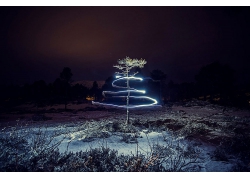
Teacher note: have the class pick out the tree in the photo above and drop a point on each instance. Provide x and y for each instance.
(122, 81)
(215, 78)
(138, 72)
(39, 89)
(66, 74)
(65, 77)
(94, 89)
(125, 65)
(158, 75)
(108, 83)
(79, 92)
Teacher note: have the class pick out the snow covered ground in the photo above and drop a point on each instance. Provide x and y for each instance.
(195, 125)
(146, 141)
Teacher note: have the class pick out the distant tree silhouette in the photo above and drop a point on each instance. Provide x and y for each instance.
(66, 74)
(39, 92)
(57, 90)
(107, 86)
(26, 92)
(187, 91)
(10, 96)
(215, 79)
(172, 91)
(65, 77)
(79, 92)
(94, 90)
(158, 75)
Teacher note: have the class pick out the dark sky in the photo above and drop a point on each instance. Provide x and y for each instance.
(37, 42)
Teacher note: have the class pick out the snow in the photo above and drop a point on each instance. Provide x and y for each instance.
(76, 142)
(91, 129)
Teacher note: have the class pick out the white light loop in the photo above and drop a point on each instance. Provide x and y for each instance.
(154, 101)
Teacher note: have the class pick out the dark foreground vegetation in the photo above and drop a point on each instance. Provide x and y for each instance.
(34, 147)
(24, 149)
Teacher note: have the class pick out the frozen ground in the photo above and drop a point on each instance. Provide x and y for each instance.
(195, 124)
(145, 142)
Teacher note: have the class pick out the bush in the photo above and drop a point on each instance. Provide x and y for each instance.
(36, 149)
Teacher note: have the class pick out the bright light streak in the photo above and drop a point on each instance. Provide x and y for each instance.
(154, 101)
(132, 77)
(118, 92)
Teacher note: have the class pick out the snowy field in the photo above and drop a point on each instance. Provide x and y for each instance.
(191, 136)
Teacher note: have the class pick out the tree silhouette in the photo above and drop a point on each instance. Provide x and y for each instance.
(39, 89)
(79, 92)
(215, 78)
(172, 91)
(66, 74)
(65, 77)
(94, 90)
(160, 77)
(108, 83)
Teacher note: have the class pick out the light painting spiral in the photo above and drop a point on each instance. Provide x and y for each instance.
(128, 90)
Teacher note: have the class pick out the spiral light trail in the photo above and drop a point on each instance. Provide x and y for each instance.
(154, 101)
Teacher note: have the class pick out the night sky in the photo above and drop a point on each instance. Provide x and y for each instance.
(38, 42)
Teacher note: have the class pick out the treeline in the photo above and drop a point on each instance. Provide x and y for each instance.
(215, 82)
(61, 91)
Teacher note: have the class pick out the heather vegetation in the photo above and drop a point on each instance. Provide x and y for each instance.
(174, 138)
(32, 148)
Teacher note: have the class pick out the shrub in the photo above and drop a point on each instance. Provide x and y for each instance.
(36, 149)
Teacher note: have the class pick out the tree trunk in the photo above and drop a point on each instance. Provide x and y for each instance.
(65, 97)
(127, 122)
